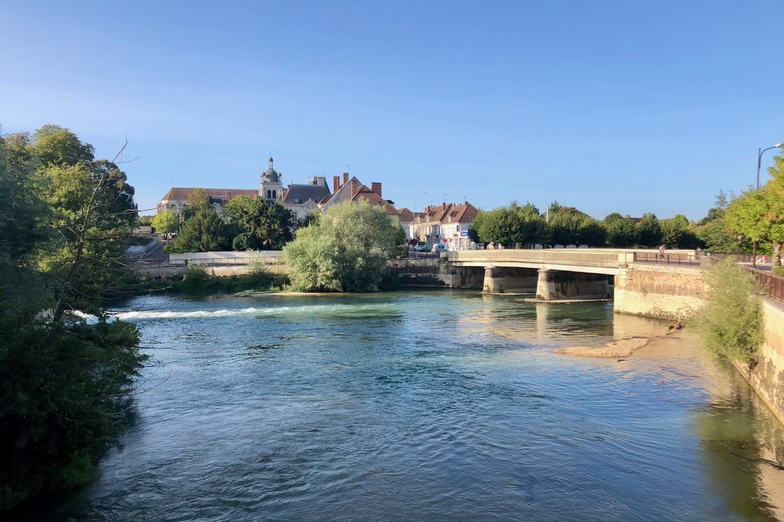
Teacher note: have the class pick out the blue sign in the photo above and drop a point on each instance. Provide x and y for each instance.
(464, 234)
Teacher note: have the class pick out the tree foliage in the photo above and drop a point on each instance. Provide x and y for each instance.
(165, 222)
(621, 232)
(64, 382)
(258, 224)
(649, 233)
(202, 229)
(731, 320)
(713, 231)
(346, 250)
(510, 225)
(678, 232)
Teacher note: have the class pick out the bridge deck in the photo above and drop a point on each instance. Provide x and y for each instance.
(598, 261)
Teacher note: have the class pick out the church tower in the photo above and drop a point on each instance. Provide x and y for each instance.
(271, 187)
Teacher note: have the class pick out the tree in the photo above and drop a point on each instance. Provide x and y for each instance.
(202, 229)
(649, 233)
(591, 233)
(258, 224)
(564, 225)
(621, 232)
(713, 231)
(759, 216)
(53, 145)
(508, 225)
(165, 222)
(345, 251)
(678, 232)
(65, 384)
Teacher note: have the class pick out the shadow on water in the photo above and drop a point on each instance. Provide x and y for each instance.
(741, 439)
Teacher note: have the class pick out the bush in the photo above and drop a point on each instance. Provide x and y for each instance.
(778, 271)
(731, 321)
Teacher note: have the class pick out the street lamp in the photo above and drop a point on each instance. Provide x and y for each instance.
(416, 198)
(760, 152)
(414, 228)
(759, 158)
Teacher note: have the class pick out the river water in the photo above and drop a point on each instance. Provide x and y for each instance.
(427, 406)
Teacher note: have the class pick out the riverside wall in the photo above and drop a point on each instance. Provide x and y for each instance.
(767, 376)
(661, 292)
(676, 293)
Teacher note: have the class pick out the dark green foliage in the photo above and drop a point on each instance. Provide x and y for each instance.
(510, 225)
(258, 224)
(621, 232)
(678, 232)
(203, 231)
(65, 385)
(592, 233)
(731, 321)
(649, 233)
(64, 402)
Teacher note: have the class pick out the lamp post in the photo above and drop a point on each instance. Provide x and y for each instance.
(760, 152)
(416, 198)
(413, 228)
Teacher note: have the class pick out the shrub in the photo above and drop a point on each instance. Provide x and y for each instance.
(731, 321)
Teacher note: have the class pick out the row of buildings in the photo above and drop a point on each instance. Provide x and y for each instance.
(447, 223)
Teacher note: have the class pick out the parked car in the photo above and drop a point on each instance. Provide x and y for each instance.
(439, 247)
(422, 248)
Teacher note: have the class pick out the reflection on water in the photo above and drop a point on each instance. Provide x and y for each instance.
(427, 406)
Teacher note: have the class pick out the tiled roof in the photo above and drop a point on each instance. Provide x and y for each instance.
(448, 213)
(298, 194)
(181, 194)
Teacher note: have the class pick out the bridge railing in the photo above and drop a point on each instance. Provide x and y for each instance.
(600, 257)
(592, 257)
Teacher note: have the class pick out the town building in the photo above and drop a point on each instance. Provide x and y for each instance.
(353, 190)
(445, 223)
(299, 198)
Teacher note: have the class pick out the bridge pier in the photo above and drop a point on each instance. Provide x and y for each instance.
(556, 284)
(509, 280)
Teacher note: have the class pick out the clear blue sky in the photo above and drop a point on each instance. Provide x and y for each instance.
(605, 105)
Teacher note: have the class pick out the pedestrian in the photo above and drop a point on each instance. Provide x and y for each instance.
(661, 251)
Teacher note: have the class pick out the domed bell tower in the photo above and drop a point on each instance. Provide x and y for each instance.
(271, 183)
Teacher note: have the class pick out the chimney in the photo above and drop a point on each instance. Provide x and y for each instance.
(335, 183)
(354, 186)
(376, 187)
(345, 178)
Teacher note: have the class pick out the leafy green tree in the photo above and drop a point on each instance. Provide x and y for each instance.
(591, 233)
(731, 320)
(53, 145)
(621, 232)
(508, 225)
(713, 231)
(564, 225)
(258, 224)
(649, 233)
(678, 232)
(346, 251)
(165, 222)
(759, 216)
(202, 229)
(65, 385)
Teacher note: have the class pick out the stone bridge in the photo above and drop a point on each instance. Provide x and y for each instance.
(641, 282)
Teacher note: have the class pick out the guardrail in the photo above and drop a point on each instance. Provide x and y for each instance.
(771, 285)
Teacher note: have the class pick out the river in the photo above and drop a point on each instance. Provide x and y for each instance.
(427, 406)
